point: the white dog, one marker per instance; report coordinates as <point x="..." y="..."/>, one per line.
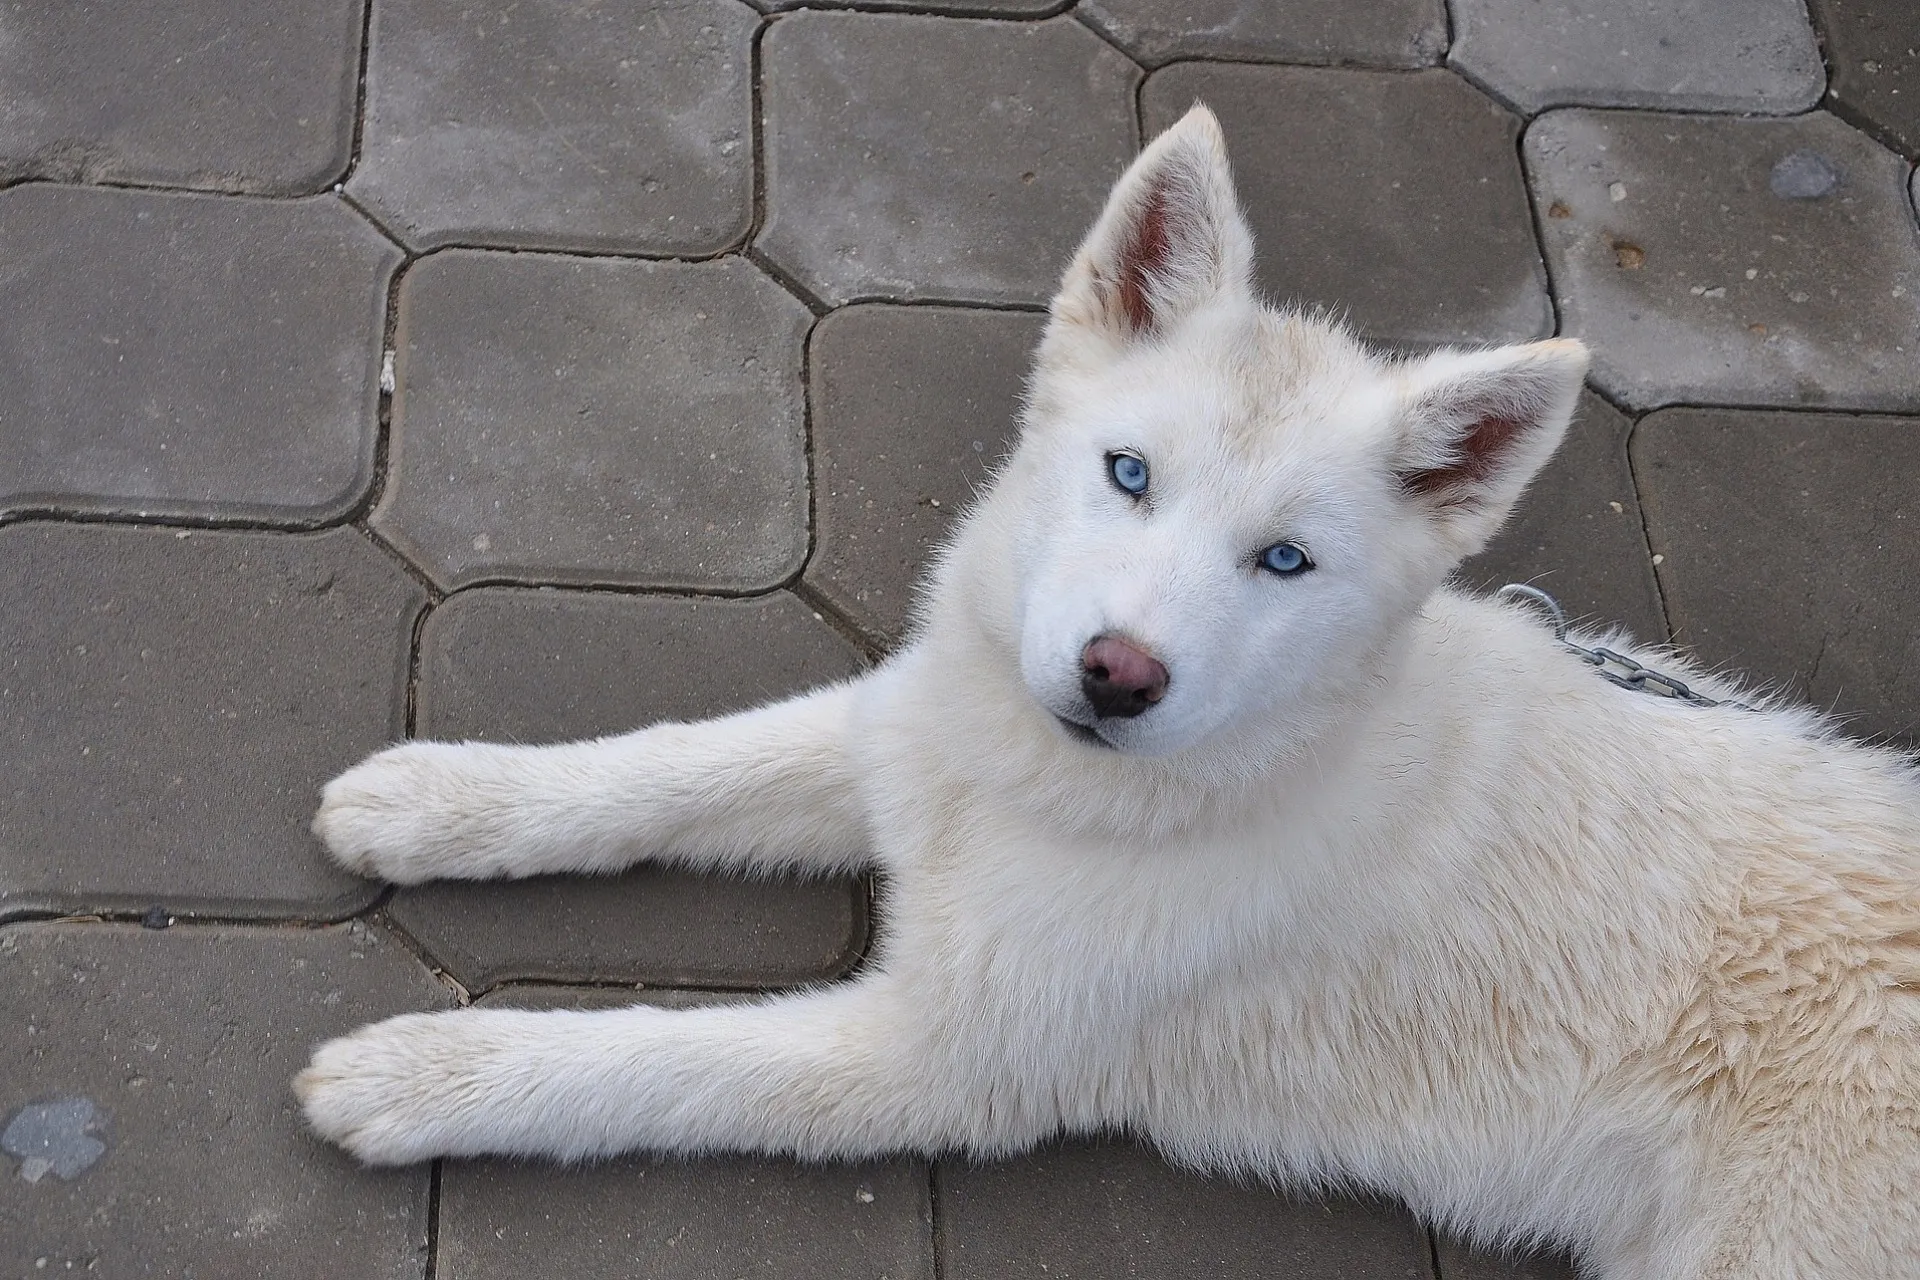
<point x="1208" y="813"/>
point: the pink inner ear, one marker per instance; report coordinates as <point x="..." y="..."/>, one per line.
<point x="1477" y="453"/>
<point x="1144" y="254"/>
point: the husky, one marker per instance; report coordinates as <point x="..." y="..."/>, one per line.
<point x="1206" y="811"/>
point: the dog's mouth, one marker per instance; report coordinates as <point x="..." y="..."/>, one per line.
<point x="1083" y="733"/>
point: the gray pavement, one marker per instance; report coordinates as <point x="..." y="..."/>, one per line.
<point x="544" y="369"/>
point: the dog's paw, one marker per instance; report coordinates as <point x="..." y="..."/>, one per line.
<point x="388" y="1093"/>
<point x="417" y="812"/>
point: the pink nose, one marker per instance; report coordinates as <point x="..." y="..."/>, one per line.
<point x="1120" y="678"/>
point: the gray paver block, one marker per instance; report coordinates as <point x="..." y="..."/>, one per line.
<point x="1706" y="55"/>
<point x="544" y="666"/>
<point x="710" y="1218"/>
<point x="1718" y="259"/>
<point x="1578" y="533"/>
<point x="1109" y="1209"/>
<point x="1874" y="47"/>
<point x="555" y="125"/>
<point x="964" y="8"/>
<point x="1457" y="1262"/>
<point x="911" y="408"/>
<point x="172" y="701"/>
<point x="918" y="157"/>
<point x="189" y="355"/>
<point x="197" y="93"/>
<point x="600" y="421"/>
<point x="1394" y="198"/>
<point x="184" y="1043"/>
<point x="1789" y="552"/>
<point x="1389" y="33"/>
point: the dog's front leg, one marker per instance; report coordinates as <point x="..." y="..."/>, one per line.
<point x="765" y="788"/>
<point x="838" y="1072"/>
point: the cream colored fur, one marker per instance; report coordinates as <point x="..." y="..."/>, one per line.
<point x="1389" y="891"/>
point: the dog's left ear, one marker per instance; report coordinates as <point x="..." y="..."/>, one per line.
<point x="1474" y="427"/>
<point x="1171" y="239"/>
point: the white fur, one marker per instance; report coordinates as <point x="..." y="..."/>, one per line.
<point x="1389" y="891"/>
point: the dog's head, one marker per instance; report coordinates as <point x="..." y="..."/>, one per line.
<point x="1218" y="510"/>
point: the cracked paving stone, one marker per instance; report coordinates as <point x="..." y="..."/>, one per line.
<point x="1458" y="1262"/>
<point x="1578" y="535"/>
<point x="912" y="407"/>
<point x="553" y="125"/>
<point x="1874" y="47"/>
<point x="915" y="157"/>
<point x="1116" y="1209"/>
<point x="171" y="702"/>
<point x="1396" y="201"/>
<point x="705" y="1218"/>
<point x="174" y="1051"/>
<point x="1707" y="260"/>
<point x="210" y="94"/>
<point x="597" y="421"/>
<point x="1383" y="33"/>
<point x="1789" y="545"/>
<point x="1706" y="55"/>
<point x="189" y="355"/>
<point x="549" y="666"/>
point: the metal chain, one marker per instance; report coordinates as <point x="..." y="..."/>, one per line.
<point x="1617" y="667"/>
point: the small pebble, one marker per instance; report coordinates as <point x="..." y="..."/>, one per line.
<point x="155" y="918"/>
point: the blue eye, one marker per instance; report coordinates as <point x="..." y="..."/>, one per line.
<point x="1285" y="558"/>
<point x="1129" y="472"/>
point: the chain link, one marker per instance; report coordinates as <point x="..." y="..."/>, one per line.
<point x="1617" y="667"/>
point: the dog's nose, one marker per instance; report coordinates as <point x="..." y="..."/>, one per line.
<point x="1119" y="678"/>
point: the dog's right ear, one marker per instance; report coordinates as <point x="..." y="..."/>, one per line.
<point x="1171" y="239"/>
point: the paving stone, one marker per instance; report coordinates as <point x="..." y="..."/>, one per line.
<point x="1708" y="55"/>
<point x="1578" y="533"/>
<point x="916" y="157"/>
<point x="963" y="8"/>
<point x="721" y="1218"/>
<point x="189" y="355"/>
<point x="194" y="93"/>
<point x="1717" y="259"/>
<point x="170" y="704"/>
<point x="178" y="1047"/>
<point x="1789" y="545"/>
<point x="546" y="666"/>
<point x="1457" y="1262"/>
<point x="556" y="125"/>
<point x="1396" y="199"/>
<point x="1086" y="1210"/>
<point x="1387" y="33"/>
<point x="602" y="421"/>
<point x="912" y="406"/>
<point x="1874" y="49"/>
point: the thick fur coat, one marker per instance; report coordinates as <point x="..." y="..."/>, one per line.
<point x="1332" y="874"/>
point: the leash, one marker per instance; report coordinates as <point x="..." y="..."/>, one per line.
<point x="1617" y="667"/>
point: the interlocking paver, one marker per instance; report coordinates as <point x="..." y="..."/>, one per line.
<point x="1706" y="55"/>
<point x="544" y="666"/>
<point x="605" y="421"/>
<point x="197" y="93"/>
<point x="1110" y="1209"/>
<point x="1874" y="49"/>
<point x="189" y="354"/>
<point x="912" y="406"/>
<point x="556" y="125"/>
<point x="1578" y="533"/>
<point x="1732" y="260"/>
<point x="711" y="1218"/>
<point x="1790" y="543"/>
<point x="1457" y="1262"/>
<point x="1396" y="198"/>
<point x="171" y="702"/>
<point x="178" y="1047"/>
<point x="1384" y="33"/>
<point x="936" y="158"/>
